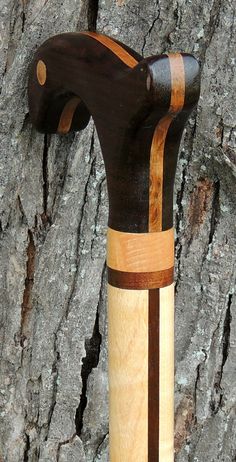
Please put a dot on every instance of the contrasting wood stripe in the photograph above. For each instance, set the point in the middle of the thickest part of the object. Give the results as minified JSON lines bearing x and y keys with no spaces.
{"x":140,"y":252}
{"x":159,"y":139}
{"x":156,"y":174}
{"x":177,"y":82}
{"x":153,"y":374}
{"x":149,"y":280}
{"x":67,"y":115}
{"x":117,"y":49}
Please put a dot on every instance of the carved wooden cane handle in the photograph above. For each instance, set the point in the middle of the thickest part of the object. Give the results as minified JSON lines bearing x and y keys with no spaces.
{"x":139,"y":107}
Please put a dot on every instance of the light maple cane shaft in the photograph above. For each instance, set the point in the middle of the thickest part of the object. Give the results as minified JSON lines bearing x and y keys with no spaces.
{"x":141,"y":346}
{"x":141,"y":412}
{"x":139,"y":107}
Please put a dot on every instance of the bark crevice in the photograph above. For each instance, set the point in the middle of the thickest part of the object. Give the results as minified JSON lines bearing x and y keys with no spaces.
{"x":150,"y":30}
{"x":212,"y":26}
{"x":23,"y":16}
{"x":55,"y":374}
{"x":225,"y":353}
{"x":26,"y":306}
{"x":46,"y":218}
{"x":215,"y":211}
{"x":96,"y":219}
{"x":197,"y":381}
{"x":92,"y":16}
{"x":27,"y":448}
{"x":89,"y":362}
{"x":63,"y":443}
{"x":98,"y":449}
{"x":178,"y":219}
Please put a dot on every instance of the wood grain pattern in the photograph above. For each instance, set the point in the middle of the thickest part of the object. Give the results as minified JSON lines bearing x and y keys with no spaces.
{"x":140,"y":252}
{"x":159,"y":140}
{"x":177,"y":82}
{"x":41,"y":72}
{"x":67,"y":115}
{"x":166,"y":375}
{"x":141,"y":374}
{"x":128,"y":374}
{"x":156,"y":174}
{"x":149,"y":280}
{"x":117,"y":49}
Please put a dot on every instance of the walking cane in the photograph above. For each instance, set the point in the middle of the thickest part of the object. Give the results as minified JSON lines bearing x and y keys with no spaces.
{"x":139,"y":107}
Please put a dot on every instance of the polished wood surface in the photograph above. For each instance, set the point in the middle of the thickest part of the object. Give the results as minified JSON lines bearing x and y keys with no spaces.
{"x":41,"y":72}
{"x":177,"y":82}
{"x":140,"y":252}
{"x":157,"y":204}
{"x":166,"y":374}
{"x":148,"y":280}
{"x":128,"y":374}
{"x":156,"y":174}
{"x":67,"y":115}
{"x":141,"y":374}
{"x":140,"y":107}
{"x":117,"y":49}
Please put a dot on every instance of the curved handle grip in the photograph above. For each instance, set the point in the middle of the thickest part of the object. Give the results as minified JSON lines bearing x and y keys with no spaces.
{"x":139,"y":107}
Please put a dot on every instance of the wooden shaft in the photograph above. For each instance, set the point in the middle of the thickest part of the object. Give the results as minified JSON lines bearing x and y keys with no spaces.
{"x":140,"y":107}
{"x":166,"y":372}
{"x":141,"y":376}
{"x":141,"y":349}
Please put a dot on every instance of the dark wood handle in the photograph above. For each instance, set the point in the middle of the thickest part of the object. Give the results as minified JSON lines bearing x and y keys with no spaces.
{"x":139,"y":107}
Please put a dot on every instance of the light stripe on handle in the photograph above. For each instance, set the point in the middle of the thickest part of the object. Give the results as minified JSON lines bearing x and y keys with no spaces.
{"x":117,"y":49}
{"x":141,"y":374}
{"x":156,"y":179}
{"x":67,"y":115}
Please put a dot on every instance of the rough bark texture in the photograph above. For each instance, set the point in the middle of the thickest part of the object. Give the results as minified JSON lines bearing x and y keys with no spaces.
{"x":53,"y":209}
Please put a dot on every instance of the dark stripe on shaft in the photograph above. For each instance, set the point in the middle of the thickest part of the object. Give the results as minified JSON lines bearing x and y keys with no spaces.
{"x":153,"y":375}
{"x":140,"y":281}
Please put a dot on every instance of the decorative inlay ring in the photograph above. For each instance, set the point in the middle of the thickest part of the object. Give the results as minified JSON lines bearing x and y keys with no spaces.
{"x":140,"y":281}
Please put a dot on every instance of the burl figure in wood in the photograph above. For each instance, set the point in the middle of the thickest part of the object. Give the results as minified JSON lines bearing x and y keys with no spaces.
{"x":139,"y":107}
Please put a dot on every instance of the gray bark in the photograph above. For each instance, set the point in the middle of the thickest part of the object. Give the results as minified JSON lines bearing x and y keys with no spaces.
{"x":53,"y":209}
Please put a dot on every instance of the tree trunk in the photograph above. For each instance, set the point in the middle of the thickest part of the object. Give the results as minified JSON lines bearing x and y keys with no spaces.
{"x":53,"y":330}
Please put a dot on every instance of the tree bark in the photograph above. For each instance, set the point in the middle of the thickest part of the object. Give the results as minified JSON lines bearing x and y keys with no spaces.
{"x":53,"y":210}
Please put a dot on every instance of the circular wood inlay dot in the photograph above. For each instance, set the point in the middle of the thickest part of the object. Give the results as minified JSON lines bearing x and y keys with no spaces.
{"x":41,"y":72}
